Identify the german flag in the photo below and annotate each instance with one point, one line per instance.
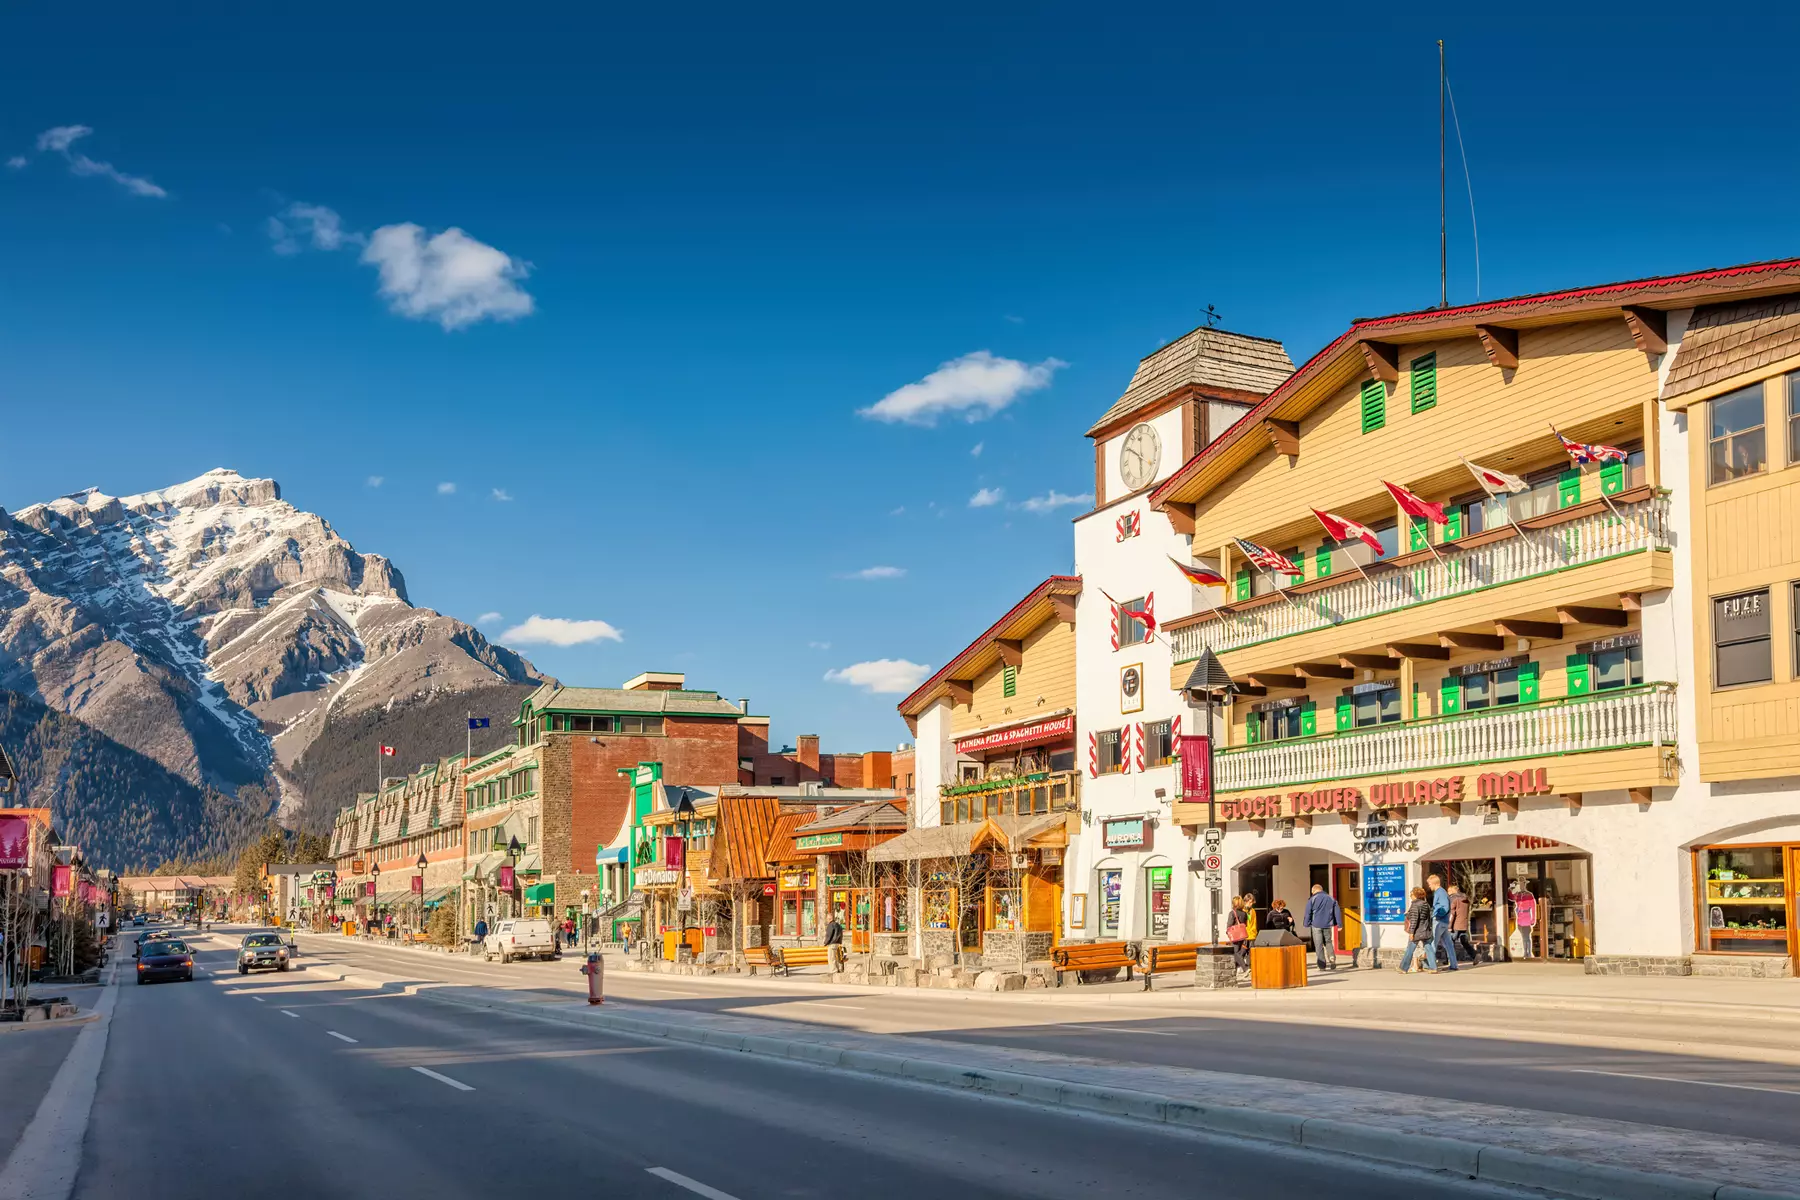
(1198, 574)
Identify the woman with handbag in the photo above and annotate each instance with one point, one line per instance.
(1418, 928)
(1237, 932)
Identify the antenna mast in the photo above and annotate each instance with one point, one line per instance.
(1443, 242)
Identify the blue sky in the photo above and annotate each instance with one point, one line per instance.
(699, 242)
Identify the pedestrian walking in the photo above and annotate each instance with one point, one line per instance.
(1250, 914)
(1440, 922)
(1237, 932)
(1418, 933)
(1279, 917)
(1322, 918)
(1524, 906)
(481, 931)
(1459, 922)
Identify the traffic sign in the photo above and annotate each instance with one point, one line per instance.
(1215, 881)
(1215, 837)
(1212, 864)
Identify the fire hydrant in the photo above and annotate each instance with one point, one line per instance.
(595, 970)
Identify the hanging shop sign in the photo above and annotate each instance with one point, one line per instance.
(358, 866)
(1019, 735)
(818, 841)
(796, 881)
(1127, 833)
(1051, 856)
(768, 889)
(837, 881)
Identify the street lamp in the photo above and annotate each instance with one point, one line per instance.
(684, 812)
(421, 888)
(374, 892)
(1208, 681)
(513, 850)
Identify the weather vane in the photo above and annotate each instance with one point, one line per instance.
(1212, 316)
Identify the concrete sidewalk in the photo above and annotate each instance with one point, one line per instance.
(1570, 1155)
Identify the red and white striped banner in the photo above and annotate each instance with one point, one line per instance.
(1140, 745)
(1093, 756)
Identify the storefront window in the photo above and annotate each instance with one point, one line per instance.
(1112, 885)
(1744, 907)
(1108, 752)
(1623, 667)
(809, 915)
(1485, 689)
(1378, 707)
(940, 908)
(1157, 890)
(1008, 908)
(1741, 639)
(1274, 724)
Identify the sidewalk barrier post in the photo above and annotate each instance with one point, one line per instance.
(595, 970)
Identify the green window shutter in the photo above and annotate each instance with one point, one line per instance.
(1252, 729)
(1309, 718)
(1454, 529)
(1528, 683)
(1009, 681)
(1581, 678)
(1243, 583)
(1416, 536)
(1450, 695)
(1322, 562)
(1374, 405)
(1568, 488)
(1424, 382)
(1346, 713)
(1612, 478)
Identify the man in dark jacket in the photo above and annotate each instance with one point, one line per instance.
(1322, 919)
(834, 932)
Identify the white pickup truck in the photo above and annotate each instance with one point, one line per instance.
(520, 937)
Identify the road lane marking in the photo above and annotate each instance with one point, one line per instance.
(1742, 1087)
(259, 999)
(287, 1012)
(692, 1185)
(458, 1084)
(1122, 1029)
(823, 1004)
(340, 1037)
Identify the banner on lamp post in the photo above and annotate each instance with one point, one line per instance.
(674, 853)
(1196, 768)
(60, 877)
(506, 878)
(418, 885)
(369, 888)
(15, 843)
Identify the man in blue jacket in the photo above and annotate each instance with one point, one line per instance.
(1441, 941)
(1322, 918)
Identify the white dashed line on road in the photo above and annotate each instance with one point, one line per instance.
(341, 1037)
(259, 999)
(823, 1004)
(458, 1084)
(1122, 1029)
(1742, 1087)
(287, 1012)
(692, 1185)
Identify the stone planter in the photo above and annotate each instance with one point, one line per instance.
(1007, 947)
(1215, 969)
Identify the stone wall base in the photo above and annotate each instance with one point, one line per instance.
(1637, 964)
(1215, 971)
(1743, 966)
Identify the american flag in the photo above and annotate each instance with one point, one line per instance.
(1267, 559)
(1589, 452)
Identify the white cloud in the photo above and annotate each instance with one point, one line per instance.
(487, 618)
(320, 226)
(377, 480)
(1012, 319)
(976, 449)
(819, 645)
(1052, 501)
(502, 494)
(559, 631)
(987, 497)
(976, 385)
(60, 139)
(894, 512)
(449, 277)
(16, 162)
(877, 573)
(446, 489)
(882, 676)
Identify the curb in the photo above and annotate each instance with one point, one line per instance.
(1473, 1160)
(62, 1023)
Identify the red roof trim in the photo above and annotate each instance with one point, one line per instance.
(1035, 594)
(1354, 333)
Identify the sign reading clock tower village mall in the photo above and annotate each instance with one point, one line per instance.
(1345, 798)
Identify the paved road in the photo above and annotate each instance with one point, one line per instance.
(1703, 1079)
(277, 1085)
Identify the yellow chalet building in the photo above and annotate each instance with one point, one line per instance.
(1582, 685)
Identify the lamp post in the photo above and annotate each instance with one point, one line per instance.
(1208, 681)
(684, 812)
(513, 850)
(586, 895)
(421, 889)
(374, 894)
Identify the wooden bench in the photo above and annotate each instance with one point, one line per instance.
(758, 956)
(1175, 956)
(789, 957)
(1094, 956)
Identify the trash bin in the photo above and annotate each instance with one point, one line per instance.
(1277, 960)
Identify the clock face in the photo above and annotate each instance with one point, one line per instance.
(1138, 457)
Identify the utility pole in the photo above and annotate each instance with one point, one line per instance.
(1443, 239)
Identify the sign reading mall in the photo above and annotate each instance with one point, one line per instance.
(1446, 789)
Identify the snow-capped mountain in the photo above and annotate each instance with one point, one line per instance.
(216, 628)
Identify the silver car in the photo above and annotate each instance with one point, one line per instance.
(261, 951)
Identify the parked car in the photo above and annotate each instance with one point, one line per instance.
(520, 937)
(262, 951)
(165, 959)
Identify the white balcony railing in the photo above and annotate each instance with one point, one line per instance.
(1640, 716)
(1590, 538)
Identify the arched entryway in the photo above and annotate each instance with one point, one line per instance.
(1530, 898)
(1288, 874)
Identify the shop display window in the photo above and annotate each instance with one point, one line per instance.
(1744, 905)
(940, 909)
(1157, 893)
(1007, 909)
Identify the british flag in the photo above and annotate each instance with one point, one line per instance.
(1267, 559)
(1589, 452)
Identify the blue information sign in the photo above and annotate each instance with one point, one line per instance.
(1384, 893)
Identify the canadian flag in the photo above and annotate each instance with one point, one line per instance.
(388, 752)
(1343, 529)
(1412, 506)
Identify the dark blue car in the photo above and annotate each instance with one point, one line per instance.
(169, 959)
